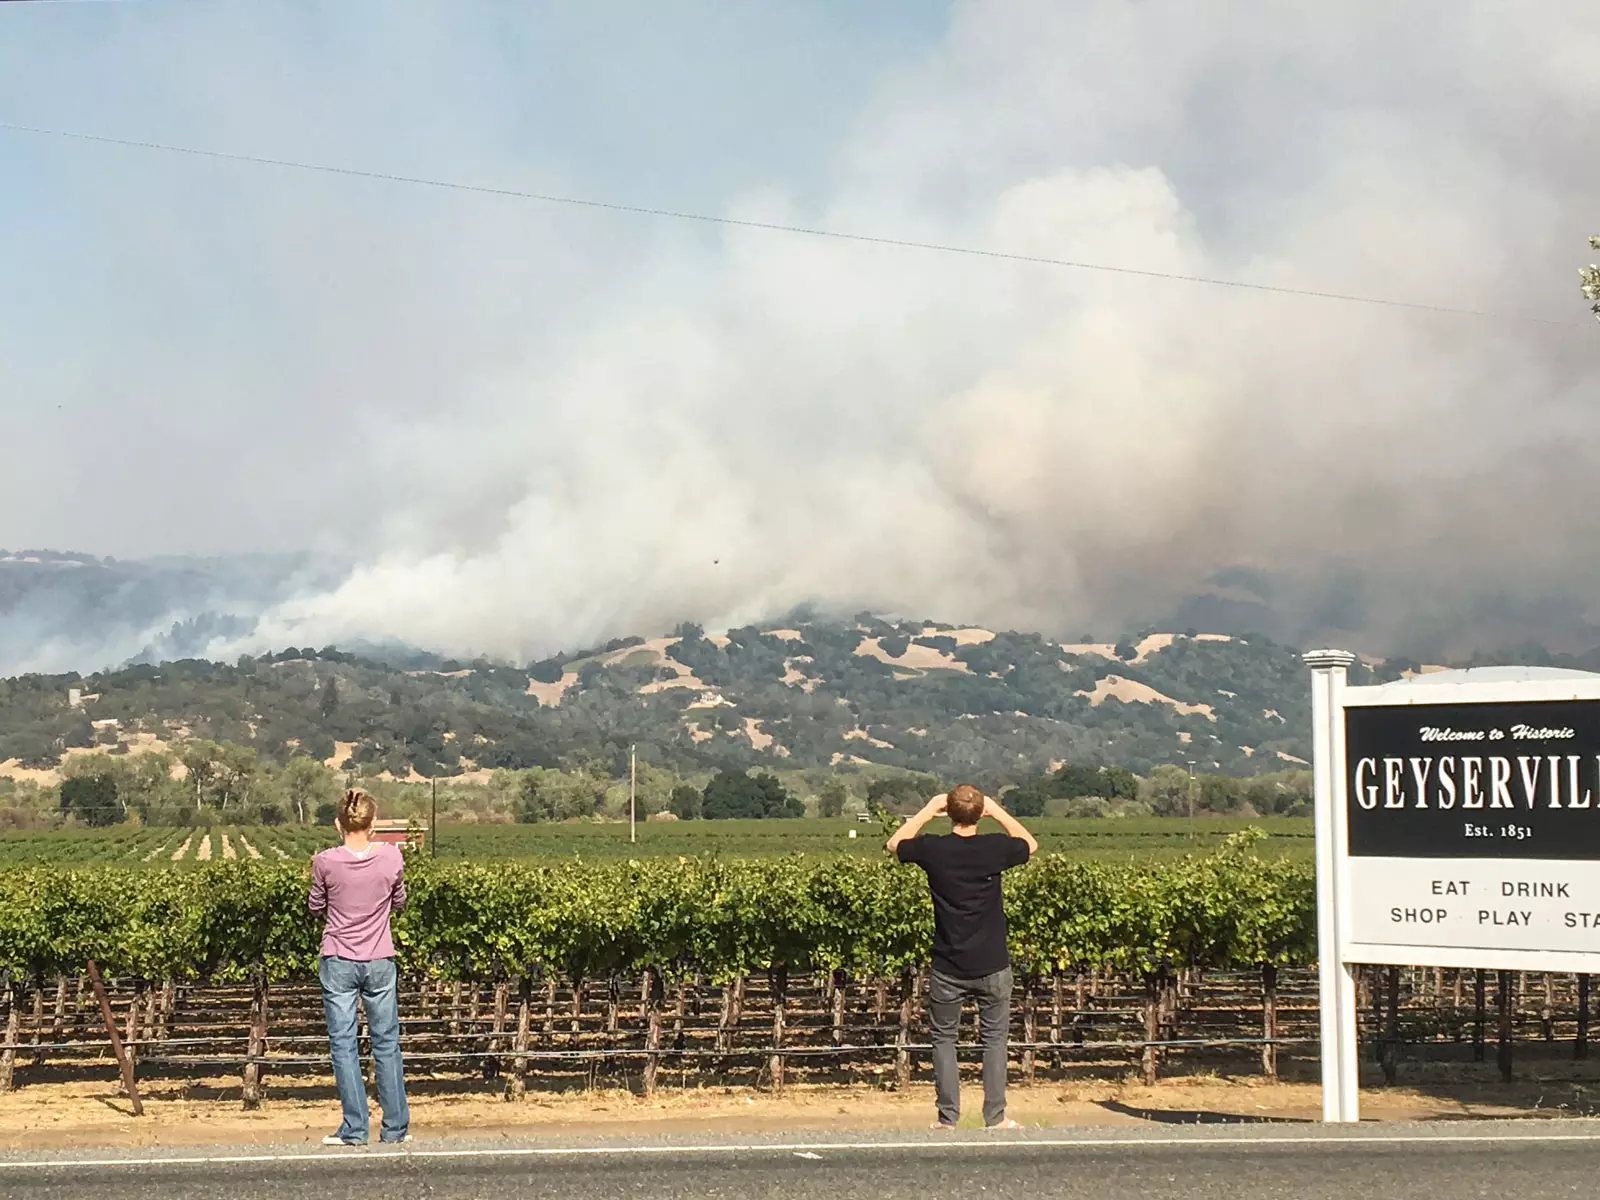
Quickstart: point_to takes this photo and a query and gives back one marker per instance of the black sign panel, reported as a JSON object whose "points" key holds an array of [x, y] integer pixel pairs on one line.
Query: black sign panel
{"points": [[1513, 780]]}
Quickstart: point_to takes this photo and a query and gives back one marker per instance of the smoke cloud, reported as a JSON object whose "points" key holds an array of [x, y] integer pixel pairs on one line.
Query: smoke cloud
{"points": [[535, 428]]}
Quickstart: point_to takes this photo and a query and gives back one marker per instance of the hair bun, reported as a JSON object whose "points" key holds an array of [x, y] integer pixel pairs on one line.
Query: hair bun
{"points": [[357, 811]]}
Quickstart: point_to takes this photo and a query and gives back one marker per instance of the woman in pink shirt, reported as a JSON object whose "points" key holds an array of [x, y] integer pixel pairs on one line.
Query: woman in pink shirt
{"points": [[357, 885]]}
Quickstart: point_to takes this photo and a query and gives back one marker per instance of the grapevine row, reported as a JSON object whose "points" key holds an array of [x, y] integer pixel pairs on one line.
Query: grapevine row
{"points": [[222, 921]]}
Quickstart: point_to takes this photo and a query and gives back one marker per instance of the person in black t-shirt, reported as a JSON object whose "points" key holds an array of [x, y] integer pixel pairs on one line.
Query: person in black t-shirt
{"points": [[969, 937]]}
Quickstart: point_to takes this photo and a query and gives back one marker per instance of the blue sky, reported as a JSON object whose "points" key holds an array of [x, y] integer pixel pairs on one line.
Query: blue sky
{"points": [[532, 425]]}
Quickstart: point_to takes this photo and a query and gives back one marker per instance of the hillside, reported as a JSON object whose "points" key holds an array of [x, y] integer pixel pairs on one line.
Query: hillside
{"points": [[945, 700]]}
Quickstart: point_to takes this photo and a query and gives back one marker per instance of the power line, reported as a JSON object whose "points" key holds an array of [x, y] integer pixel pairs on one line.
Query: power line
{"points": [[775, 227]]}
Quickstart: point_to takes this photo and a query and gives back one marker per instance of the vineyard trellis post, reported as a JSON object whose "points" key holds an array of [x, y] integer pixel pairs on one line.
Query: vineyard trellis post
{"points": [[1269, 1021], [256, 1043], [1478, 984], [38, 1018], [123, 1061], [902, 1058], [1580, 1044], [652, 1039], [8, 1056], [1505, 997], [1389, 1052]]}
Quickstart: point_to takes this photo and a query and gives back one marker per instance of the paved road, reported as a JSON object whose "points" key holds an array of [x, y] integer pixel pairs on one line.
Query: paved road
{"points": [[1548, 1160]]}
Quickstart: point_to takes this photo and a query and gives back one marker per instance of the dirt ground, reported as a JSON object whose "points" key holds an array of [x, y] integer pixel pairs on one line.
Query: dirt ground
{"points": [[46, 1115]]}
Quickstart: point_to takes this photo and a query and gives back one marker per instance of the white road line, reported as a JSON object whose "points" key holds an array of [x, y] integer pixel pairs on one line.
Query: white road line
{"points": [[794, 1148]]}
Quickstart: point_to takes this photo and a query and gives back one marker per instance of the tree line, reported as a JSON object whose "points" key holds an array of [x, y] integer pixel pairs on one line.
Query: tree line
{"points": [[201, 782]]}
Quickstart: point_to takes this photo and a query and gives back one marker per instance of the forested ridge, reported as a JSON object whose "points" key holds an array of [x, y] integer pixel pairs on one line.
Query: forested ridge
{"points": [[905, 695]]}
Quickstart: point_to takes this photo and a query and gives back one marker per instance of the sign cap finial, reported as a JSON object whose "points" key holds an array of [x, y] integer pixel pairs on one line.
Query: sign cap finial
{"points": [[1328, 660]]}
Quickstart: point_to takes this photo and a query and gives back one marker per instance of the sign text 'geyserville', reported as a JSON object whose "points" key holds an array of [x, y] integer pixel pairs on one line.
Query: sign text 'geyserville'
{"points": [[1475, 780]]}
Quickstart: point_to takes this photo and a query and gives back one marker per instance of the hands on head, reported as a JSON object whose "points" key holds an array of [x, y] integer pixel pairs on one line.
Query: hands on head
{"points": [[938, 806]]}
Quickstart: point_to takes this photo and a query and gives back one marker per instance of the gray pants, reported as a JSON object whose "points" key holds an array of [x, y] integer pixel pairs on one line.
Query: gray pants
{"points": [[993, 994]]}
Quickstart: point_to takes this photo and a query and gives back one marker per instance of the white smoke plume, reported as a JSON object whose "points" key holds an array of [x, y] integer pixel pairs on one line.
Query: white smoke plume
{"points": [[537, 428]]}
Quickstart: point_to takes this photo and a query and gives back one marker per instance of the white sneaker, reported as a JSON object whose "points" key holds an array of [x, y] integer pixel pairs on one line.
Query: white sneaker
{"points": [[333, 1139], [405, 1137]]}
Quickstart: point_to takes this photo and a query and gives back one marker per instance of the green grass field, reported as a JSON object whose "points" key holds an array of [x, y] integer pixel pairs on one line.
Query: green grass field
{"points": [[1083, 838]]}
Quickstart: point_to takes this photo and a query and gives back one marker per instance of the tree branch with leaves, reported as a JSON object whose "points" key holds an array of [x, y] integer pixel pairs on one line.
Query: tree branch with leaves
{"points": [[1591, 281]]}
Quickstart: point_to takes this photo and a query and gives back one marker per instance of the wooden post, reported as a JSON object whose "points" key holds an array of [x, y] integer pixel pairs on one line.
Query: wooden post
{"points": [[780, 988], [38, 1020], [8, 1056], [724, 1017], [1030, 1030], [1580, 1047], [1503, 993], [58, 1023], [256, 1046], [652, 1035], [1269, 1021], [575, 1030], [1390, 1056], [1055, 1017], [1369, 986], [1154, 987], [902, 1057], [1547, 1011], [168, 999], [491, 1064], [837, 1014], [517, 1081], [116, 1042], [1478, 1018], [678, 1014], [1080, 1009], [732, 1010]]}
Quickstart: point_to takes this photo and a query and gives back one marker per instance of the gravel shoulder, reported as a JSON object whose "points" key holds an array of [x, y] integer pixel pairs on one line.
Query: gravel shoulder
{"points": [[298, 1111]]}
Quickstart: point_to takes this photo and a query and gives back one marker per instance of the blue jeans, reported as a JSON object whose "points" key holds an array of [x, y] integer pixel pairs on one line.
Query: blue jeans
{"points": [[343, 979]]}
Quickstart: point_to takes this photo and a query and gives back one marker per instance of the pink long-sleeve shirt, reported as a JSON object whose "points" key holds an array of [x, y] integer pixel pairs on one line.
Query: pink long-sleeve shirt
{"points": [[358, 892]]}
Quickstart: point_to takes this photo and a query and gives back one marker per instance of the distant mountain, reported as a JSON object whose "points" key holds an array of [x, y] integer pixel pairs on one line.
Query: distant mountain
{"points": [[935, 698], [809, 692]]}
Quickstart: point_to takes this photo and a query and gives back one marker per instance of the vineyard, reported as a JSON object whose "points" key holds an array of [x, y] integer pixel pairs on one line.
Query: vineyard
{"points": [[761, 970], [147, 846]]}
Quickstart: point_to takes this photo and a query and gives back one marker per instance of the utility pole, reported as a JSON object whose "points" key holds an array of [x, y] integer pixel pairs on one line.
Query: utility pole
{"points": [[433, 823], [1191, 799], [633, 782]]}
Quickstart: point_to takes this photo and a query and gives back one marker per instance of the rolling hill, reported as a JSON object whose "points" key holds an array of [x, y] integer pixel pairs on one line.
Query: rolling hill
{"points": [[919, 695]]}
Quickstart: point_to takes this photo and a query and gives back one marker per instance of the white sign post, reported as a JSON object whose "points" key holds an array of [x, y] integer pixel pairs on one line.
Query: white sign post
{"points": [[1458, 825]]}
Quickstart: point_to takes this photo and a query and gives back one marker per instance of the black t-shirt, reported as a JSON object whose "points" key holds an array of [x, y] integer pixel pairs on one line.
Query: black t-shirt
{"points": [[969, 922]]}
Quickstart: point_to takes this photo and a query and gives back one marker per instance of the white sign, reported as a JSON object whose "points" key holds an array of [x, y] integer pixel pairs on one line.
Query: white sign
{"points": [[1458, 824]]}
